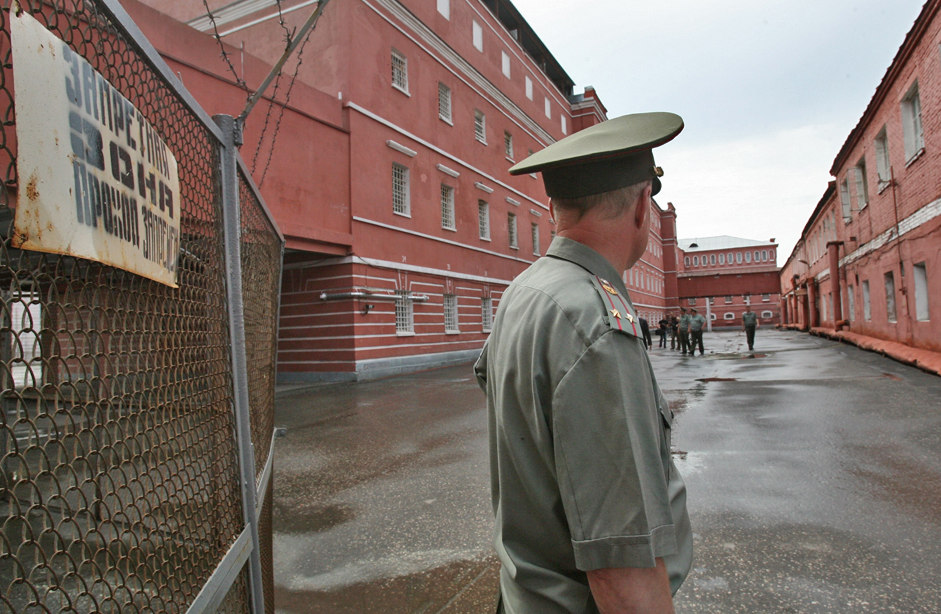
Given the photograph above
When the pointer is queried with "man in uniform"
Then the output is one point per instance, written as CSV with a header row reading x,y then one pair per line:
x,y
684,331
749,324
590,511
696,322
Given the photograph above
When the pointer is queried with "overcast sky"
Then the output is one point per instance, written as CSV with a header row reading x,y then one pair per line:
x,y
769,91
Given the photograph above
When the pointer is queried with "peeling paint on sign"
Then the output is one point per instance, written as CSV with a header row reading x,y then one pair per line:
x,y
103,185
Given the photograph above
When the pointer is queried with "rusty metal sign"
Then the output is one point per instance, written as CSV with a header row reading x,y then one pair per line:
x,y
96,181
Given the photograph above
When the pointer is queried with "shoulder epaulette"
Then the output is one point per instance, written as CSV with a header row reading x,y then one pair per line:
x,y
619,315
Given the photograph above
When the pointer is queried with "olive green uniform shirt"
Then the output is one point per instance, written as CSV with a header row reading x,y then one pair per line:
x,y
684,321
750,319
581,473
696,323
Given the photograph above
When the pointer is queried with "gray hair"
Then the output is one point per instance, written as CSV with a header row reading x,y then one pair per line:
x,y
613,203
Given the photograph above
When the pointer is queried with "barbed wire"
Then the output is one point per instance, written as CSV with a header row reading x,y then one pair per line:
x,y
225,56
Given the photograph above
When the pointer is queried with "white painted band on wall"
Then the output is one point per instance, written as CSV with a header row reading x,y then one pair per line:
x,y
513,201
485,188
447,171
411,153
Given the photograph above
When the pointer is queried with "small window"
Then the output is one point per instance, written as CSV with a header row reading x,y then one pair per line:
x,y
695,260
536,251
721,258
480,126
399,71
506,64
748,257
712,259
692,302
511,225
483,219
444,7
404,315
921,292
867,303
738,257
548,109
447,207
728,315
450,313
764,255
765,298
890,297
862,185
400,190
508,144
713,317
529,88
444,102
911,123
845,199
565,126
686,260
882,158
766,315
478,37
728,300
486,313
851,302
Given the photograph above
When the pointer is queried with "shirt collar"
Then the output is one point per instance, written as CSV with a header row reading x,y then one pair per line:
x,y
585,257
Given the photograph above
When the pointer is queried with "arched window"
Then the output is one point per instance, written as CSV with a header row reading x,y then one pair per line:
x,y
721,258
686,261
728,316
695,260
712,259
767,315
747,256
764,255
757,256
738,257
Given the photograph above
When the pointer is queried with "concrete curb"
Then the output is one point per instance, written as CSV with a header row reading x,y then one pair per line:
x,y
925,360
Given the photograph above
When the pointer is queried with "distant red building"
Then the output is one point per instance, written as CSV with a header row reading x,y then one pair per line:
x,y
868,258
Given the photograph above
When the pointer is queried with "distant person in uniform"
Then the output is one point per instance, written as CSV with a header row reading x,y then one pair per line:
x,y
590,511
664,327
696,322
684,331
674,332
749,325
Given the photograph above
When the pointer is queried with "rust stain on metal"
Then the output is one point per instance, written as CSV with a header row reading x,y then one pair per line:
x,y
32,192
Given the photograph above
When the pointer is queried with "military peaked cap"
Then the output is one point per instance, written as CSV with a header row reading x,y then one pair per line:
x,y
608,156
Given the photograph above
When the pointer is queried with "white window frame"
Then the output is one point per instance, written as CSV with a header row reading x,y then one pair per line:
x,y
447,208
695,260
444,103
505,63
891,306
738,257
851,302
565,126
845,199
748,257
401,192
508,144
721,258
444,7
882,158
712,259
529,88
765,298
486,314
867,301
728,315
451,324
728,300
686,261
512,231
767,315
535,229
480,126
912,124
404,314
862,184
764,255
483,219
548,108
399,71
478,36
920,273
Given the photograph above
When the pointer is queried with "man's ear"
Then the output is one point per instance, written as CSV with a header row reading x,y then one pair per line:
x,y
642,208
552,211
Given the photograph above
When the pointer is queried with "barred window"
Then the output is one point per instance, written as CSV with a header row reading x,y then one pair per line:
x,y
508,144
511,224
766,298
480,126
447,207
444,102
450,313
400,192
486,313
767,315
404,316
483,219
536,240
692,301
399,71
728,300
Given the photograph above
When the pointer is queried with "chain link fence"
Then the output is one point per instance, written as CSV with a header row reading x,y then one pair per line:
x,y
122,472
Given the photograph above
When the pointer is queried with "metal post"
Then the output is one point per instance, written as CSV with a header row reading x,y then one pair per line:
x,y
709,314
232,224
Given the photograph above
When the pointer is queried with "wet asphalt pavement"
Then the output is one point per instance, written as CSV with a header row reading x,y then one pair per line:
x,y
813,469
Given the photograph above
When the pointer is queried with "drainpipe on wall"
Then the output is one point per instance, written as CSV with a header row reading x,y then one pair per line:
x,y
812,303
903,288
833,249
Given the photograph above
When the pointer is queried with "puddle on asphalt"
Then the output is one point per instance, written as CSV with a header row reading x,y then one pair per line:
x,y
689,463
716,379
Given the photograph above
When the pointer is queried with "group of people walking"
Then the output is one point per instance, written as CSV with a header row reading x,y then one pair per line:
x,y
686,331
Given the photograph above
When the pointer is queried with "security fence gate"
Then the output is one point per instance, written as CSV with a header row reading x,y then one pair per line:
x,y
137,418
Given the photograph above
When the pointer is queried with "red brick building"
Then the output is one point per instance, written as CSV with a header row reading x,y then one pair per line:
x,y
722,276
868,258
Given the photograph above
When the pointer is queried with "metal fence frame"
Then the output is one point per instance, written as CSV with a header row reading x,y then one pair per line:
x,y
255,482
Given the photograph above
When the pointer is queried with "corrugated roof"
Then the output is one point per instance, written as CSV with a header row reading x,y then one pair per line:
x,y
703,244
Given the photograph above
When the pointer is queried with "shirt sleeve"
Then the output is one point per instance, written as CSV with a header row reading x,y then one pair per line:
x,y
612,457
